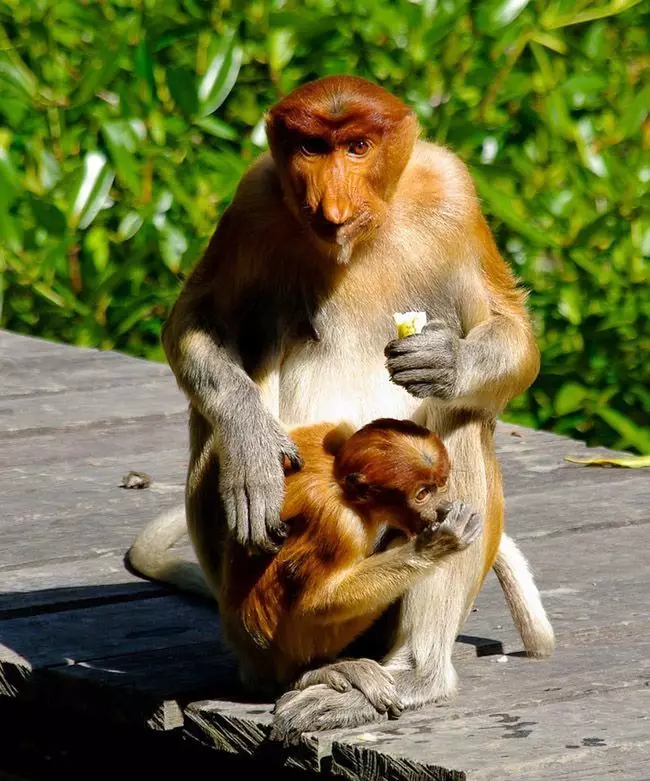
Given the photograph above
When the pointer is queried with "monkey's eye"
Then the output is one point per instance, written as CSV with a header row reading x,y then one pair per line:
x,y
359,147
423,493
313,146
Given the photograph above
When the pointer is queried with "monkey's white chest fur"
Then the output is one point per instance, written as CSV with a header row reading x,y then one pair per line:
x,y
344,379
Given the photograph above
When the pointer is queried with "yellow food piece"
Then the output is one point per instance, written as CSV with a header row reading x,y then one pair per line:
x,y
409,323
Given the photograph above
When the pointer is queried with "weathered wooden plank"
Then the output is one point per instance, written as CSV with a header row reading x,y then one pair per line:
x,y
155,397
616,660
15,347
146,689
46,374
82,635
560,736
100,521
117,443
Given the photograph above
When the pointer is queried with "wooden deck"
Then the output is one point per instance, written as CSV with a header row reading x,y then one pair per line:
x,y
93,660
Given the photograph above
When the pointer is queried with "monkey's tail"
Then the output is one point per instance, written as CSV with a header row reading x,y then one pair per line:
x,y
524,601
150,554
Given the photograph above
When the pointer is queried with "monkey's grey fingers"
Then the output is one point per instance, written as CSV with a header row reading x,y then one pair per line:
x,y
326,675
369,677
462,522
229,500
257,520
290,450
408,344
435,325
473,529
242,527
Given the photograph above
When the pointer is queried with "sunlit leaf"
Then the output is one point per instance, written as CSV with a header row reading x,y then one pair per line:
x,y
220,76
96,243
492,15
129,225
95,185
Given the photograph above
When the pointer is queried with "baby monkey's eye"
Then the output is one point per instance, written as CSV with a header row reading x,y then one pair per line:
x,y
423,493
359,147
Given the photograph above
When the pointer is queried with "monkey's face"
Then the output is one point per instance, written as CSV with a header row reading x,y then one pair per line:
x,y
333,186
340,148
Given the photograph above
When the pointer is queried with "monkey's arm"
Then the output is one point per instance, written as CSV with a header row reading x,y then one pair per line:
x,y
489,357
250,443
375,583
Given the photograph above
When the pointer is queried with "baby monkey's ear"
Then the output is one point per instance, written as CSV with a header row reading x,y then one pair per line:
x,y
337,437
356,487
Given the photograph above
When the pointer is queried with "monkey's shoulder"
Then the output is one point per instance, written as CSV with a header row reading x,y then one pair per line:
x,y
259,190
435,175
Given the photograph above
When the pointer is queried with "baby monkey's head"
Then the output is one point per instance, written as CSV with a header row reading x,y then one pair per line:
x,y
394,466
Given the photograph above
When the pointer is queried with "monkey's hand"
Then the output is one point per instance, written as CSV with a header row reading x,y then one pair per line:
x,y
457,528
251,480
426,364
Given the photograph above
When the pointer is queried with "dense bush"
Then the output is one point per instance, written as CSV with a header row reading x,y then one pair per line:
x,y
126,125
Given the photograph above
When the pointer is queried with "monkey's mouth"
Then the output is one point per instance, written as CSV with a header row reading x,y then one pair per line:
x,y
334,234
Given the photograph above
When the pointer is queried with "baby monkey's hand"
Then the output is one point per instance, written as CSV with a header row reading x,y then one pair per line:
x,y
457,527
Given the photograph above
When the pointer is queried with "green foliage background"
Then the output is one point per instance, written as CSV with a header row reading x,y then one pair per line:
x,y
126,124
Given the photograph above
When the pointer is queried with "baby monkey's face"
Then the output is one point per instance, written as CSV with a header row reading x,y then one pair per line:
x,y
398,470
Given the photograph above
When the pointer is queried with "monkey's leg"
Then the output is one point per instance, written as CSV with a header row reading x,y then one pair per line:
x,y
376,578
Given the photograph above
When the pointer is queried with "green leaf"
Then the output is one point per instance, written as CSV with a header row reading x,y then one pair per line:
x,y
96,243
215,127
144,65
635,114
181,83
93,190
173,243
570,398
281,48
570,305
631,462
129,225
500,204
122,141
630,432
9,183
492,15
48,216
220,76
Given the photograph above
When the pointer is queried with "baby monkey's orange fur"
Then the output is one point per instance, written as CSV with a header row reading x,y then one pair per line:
x,y
321,590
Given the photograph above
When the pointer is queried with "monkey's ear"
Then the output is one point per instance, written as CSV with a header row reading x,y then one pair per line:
x,y
337,437
356,486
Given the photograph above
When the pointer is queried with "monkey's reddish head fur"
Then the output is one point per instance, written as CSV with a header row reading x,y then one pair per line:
x,y
340,144
391,459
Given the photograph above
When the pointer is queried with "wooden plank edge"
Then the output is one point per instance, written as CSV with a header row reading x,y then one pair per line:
x,y
353,762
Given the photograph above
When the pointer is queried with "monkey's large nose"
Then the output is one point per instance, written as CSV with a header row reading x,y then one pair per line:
x,y
335,210
336,214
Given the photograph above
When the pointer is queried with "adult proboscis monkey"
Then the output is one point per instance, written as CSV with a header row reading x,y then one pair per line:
x,y
289,317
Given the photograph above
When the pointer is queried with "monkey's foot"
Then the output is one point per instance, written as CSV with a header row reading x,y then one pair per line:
x,y
319,708
417,690
366,675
